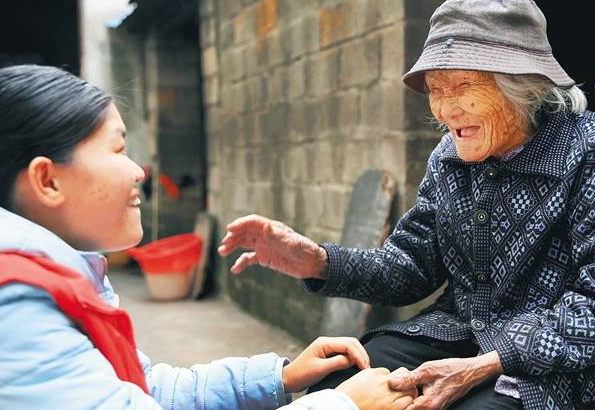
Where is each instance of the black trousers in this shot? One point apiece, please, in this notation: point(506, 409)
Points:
point(393, 350)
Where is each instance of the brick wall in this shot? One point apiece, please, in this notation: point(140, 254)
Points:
point(302, 97)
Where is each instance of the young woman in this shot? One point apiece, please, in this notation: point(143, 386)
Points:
point(67, 191)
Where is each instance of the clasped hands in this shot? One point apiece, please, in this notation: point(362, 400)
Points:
point(369, 389)
point(442, 381)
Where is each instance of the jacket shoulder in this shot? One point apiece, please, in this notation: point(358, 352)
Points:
point(582, 142)
point(583, 130)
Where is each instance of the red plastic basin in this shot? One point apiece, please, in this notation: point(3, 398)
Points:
point(174, 254)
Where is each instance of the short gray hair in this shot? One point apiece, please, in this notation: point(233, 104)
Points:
point(533, 94)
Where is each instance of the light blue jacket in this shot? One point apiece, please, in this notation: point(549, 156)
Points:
point(47, 363)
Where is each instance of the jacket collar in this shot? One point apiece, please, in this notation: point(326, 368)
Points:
point(22, 235)
point(545, 154)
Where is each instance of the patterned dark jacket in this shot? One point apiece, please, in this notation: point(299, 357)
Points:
point(516, 241)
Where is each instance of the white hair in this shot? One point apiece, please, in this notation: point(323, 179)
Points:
point(533, 94)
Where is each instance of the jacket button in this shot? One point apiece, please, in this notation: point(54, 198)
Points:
point(478, 325)
point(491, 172)
point(481, 217)
point(482, 277)
point(414, 329)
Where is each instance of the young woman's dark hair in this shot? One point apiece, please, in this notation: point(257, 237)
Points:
point(44, 111)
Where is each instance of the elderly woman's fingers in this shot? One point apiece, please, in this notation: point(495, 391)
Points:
point(411, 391)
point(233, 241)
point(245, 260)
point(400, 380)
point(228, 244)
point(425, 403)
point(245, 232)
point(248, 222)
point(246, 239)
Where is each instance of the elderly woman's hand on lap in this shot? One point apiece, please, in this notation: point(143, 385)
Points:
point(444, 381)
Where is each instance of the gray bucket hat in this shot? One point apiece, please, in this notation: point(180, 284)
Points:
point(502, 36)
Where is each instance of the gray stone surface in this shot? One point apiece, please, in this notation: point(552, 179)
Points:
point(186, 332)
point(365, 227)
point(359, 63)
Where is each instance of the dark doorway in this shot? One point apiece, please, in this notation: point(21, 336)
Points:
point(41, 32)
point(570, 33)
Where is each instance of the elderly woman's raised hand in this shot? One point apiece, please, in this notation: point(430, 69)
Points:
point(369, 389)
point(273, 245)
point(444, 381)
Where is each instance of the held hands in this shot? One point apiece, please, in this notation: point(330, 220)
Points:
point(444, 381)
point(370, 390)
point(324, 356)
point(273, 245)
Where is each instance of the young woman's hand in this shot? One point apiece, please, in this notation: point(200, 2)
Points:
point(324, 356)
point(369, 390)
point(274, 245)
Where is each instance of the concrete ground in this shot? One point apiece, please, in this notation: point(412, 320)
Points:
point(186, 332)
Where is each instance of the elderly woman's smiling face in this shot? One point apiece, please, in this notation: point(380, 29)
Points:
point(483, 123)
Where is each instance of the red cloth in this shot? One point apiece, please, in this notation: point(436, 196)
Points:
point(171, 188)
point(108, 328)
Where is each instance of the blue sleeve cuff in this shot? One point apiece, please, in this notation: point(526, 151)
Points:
point(283, 397)
point(263, 382)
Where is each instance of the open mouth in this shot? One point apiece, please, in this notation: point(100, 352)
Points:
point(467, 132)
point(134, 202)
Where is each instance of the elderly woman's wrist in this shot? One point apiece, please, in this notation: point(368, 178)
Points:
point(488, 365)
point(320, 270)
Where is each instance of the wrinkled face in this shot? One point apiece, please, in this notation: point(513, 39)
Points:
point(482, 121)
point(100, 184)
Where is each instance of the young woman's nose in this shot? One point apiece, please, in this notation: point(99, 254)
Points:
point(139, 173)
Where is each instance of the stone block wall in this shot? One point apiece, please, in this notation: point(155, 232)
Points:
point(301, 98)
point(179, 138)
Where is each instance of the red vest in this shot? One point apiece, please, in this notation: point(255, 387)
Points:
point(108, 328)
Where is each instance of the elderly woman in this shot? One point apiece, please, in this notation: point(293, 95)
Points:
point(505, 214)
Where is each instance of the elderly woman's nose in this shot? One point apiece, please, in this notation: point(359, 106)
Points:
point(450, 108)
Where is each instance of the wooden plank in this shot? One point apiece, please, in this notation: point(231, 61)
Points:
point(366, 226)
point(204, 228)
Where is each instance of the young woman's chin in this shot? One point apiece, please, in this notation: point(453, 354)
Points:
point(118, 242)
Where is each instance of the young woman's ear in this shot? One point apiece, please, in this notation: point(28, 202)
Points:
point(43, 182)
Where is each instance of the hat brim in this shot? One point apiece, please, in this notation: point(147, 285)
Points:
point(458, 54)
